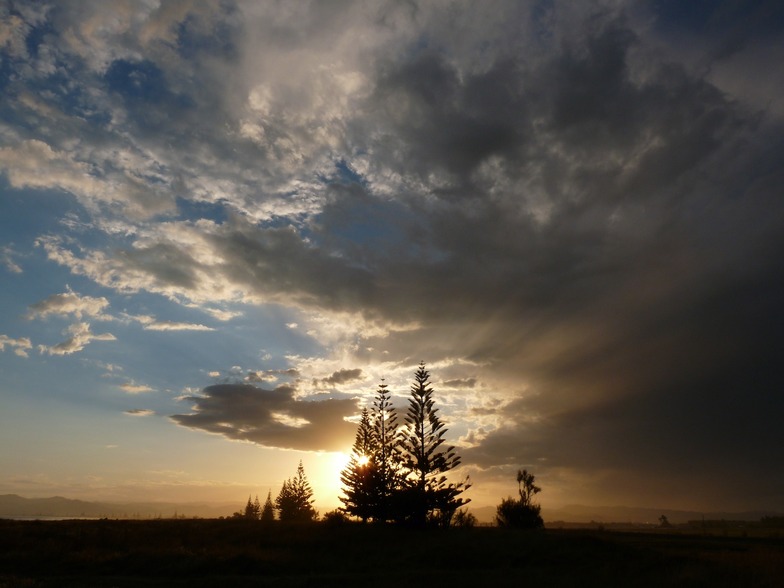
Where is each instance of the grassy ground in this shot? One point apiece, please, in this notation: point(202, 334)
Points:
point(177, 553)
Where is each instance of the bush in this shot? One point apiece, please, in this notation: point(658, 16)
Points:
point(335, 518)
point(518, 515)
point(464, 519)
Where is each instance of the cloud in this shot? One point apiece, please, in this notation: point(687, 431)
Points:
point(209, 262)
point(134, 388)
point(20, 346)
point(272, 418)
point(139, 412)
point(69, 303)
point(80, 337)
point(271, 375)
point(35, 164)
point(461, 383)
point(7, 255)
point(13, 30)
point(152, 324)
point(572, 210)
point(175, 326)
point(342, 376)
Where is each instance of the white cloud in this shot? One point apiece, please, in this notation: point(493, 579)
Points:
point(7, 255)
point(70, 303)
point(217, 313)
point(20, 346)
point(175, 326)
point(150, 323)
point(80, 337)
point(35, 164)
point(134, 388)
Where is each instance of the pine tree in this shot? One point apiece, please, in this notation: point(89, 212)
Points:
point(295, 501)
point(387, 455)
point(426, 460)
point(251, 509)
point(268, 510)
point(360, 476)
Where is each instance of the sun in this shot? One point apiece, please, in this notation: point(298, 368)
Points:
point(363, 460)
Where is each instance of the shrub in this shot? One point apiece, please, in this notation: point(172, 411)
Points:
point(518, 515)
point(464, 519)
point(335, 518)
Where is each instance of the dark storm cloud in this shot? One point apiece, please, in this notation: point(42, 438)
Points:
point(462, 383)
point(444, 123)
point(658, 400)
point(726, 27)
point(272, 418)
point(343, 376)
point(620, 170)
point(640, 310)
point(281, 263)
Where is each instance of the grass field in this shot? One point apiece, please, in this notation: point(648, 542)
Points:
point(203, 552)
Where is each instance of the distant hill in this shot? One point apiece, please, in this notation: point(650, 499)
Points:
point(578, 513)
point(12, 505)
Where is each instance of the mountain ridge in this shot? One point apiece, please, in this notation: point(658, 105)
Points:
point(14, 505)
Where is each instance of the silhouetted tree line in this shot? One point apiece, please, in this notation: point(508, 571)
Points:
point(396, 472)
point(294, 503)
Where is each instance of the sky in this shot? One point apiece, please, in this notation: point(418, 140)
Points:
point(223, 223)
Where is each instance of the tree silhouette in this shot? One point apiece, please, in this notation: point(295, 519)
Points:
point(464, 519)
point(521, 513)
point(387, 454)
point(428, 494)
point(252, 510)
point(360, 476)
point(295, 501)
point(526, 487)
point(268, 510)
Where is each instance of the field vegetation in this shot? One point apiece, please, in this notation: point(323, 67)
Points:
point(237, 552)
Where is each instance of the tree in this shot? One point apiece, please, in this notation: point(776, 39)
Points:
point(295, 501)
point(360, 476)
point(521, 513)
point(251, 511)
point(428, 494)
point(268, 510)
point(371, 478)
point(526, 487)
point(387, 454)
point(464, 519)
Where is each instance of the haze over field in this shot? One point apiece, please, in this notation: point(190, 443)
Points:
point(223, 223)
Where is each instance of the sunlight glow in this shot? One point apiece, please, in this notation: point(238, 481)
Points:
point(340, 460)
